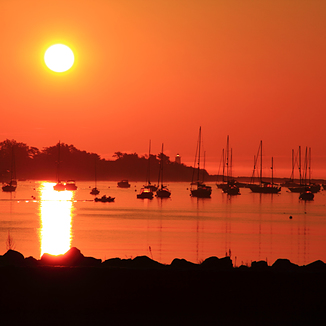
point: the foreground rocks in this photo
(75, 290)
(74, 258)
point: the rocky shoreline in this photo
(76, 290)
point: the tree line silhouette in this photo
(34, 164)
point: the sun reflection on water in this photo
(56, 219)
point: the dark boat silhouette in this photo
(263, 187)
(307, 195)
(95, 191)
(304, 180)
(59, 186)
(12, 184)
(231, 188)
(105, 199)
(148, 184)
(198, 188)
(145, 193)
(71, 185)
(162, 191)
(123, 184)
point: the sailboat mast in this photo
(300, 176)
(223, 164)
(58, 166)
(204, 165)
(305, 166)
(261, 161)
(95, 173)
(227, 158)
(231, 163)
(272, 172)
(292, 174)
(12, 167)
(149, 163)
(309, 165)
(161, 169)
(199, 141)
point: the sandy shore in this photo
(184, 294)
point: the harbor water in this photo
(249, 227)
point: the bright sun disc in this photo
(59, 58)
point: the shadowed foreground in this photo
(144, 292)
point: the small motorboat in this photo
(59, 186)
(145, 193)
(105, 199)
(94, 191)
(124, 184)
(10, 187)
(163, 192)
(71, 185)
(202, 191)
(306, 195)
(231, 189)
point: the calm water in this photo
(248, 227)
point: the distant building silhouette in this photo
(178, 159)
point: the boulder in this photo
(284, 265)
(90, 261)
(12, 258)
(73, 257)
(224, 263)
(259, 265)
(316, 266)
(31, 262)
(178, 263)
(117, 263)
(144, 262)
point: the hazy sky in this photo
(254, 70)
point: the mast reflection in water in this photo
(56, 217)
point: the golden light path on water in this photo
(56, 219)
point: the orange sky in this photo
(254, 70)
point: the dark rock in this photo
(284, 265)
(144, 262)
(117, 263)
(178, 263)
(259, 265)
(32, 262)
(73, 257)
(243, 268)
(13, 258)
(316, 266)
(90, 261)
(217, 263)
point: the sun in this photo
(59, 58)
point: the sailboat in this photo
(12, 184)
(223, 183)
(306, 192)
(59, 186)
(302, 186)
(162, 191)
(263, 187)
(198, 188)
(95, 191)
(148, 185)
(231, 187)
